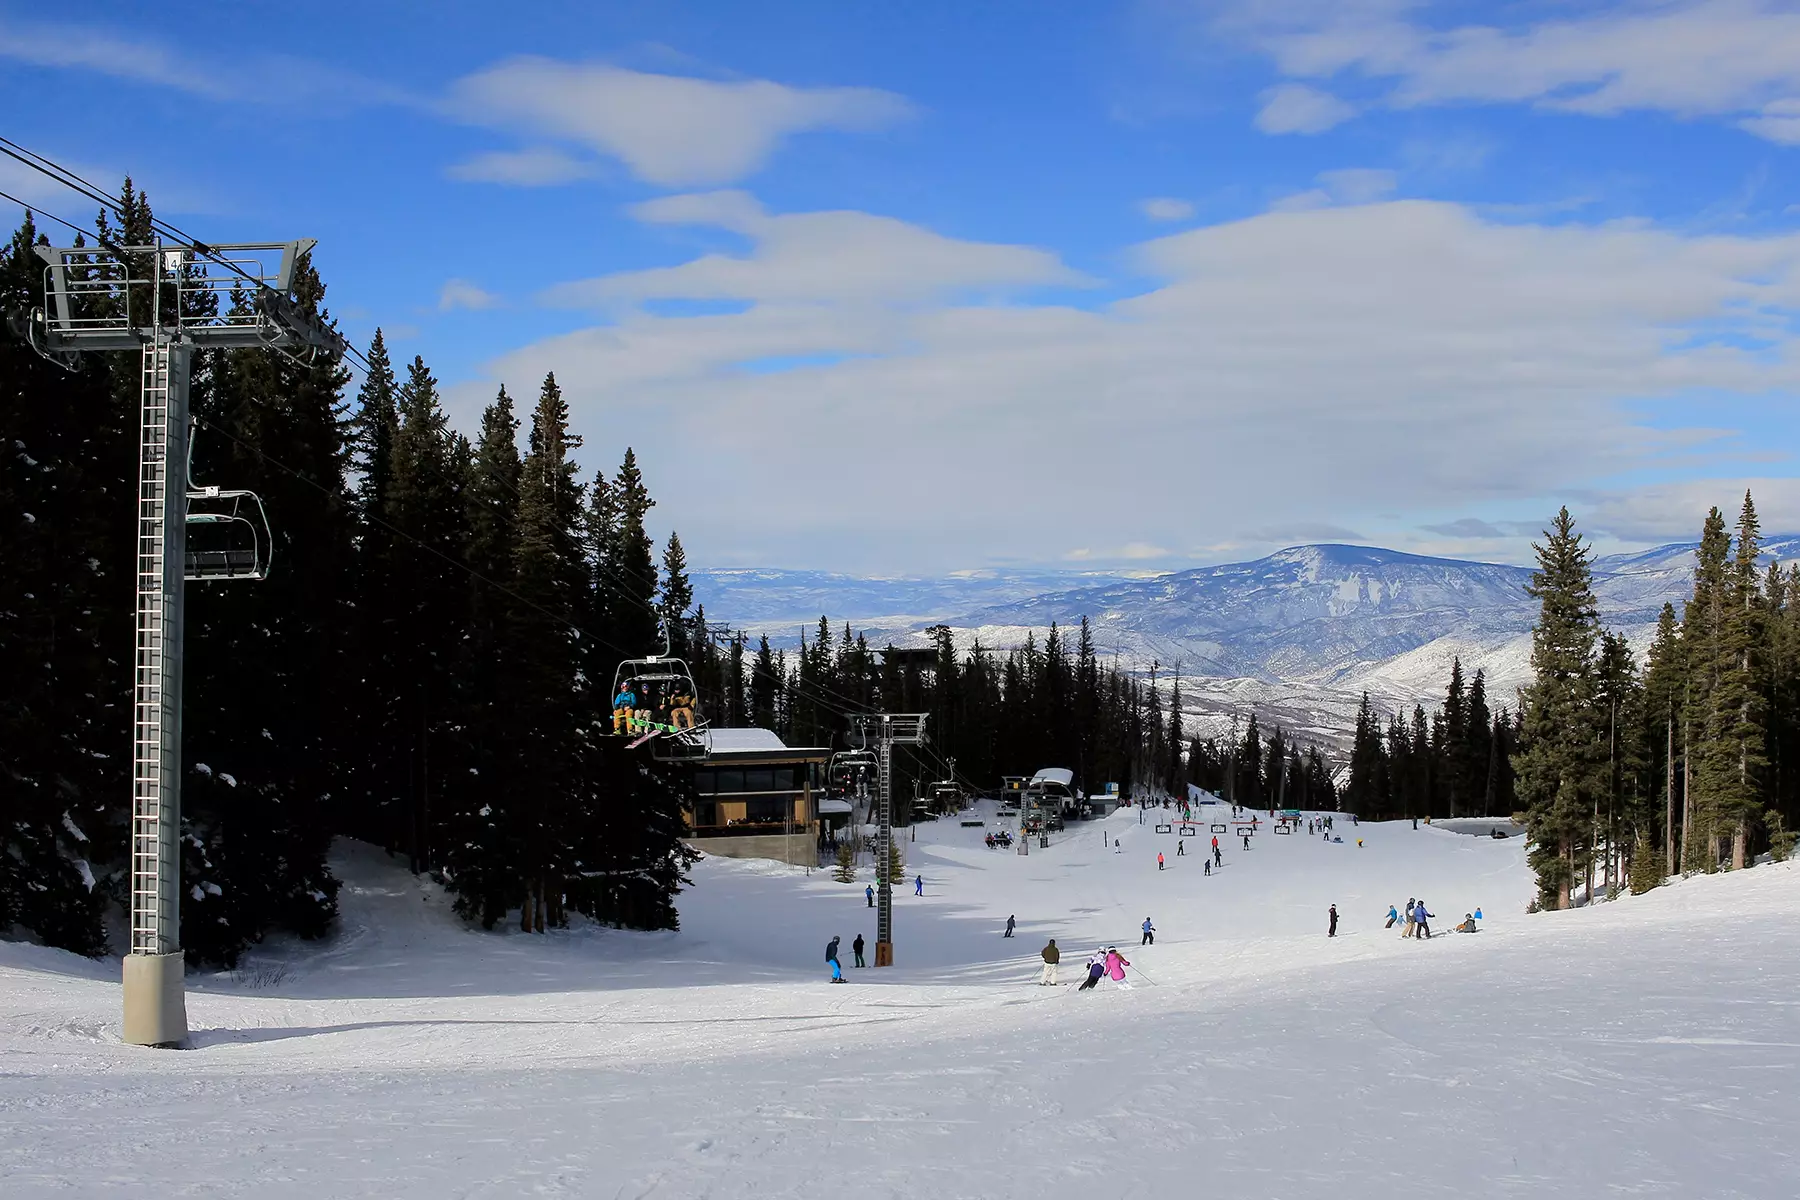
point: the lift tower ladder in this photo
(165, 301)
(885, 731)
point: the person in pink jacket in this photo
(1115, 964)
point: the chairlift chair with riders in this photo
(227, 531)
(664, 708)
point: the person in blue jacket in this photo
(1423, 918)
(869, 895)
(1149, 933)
(919, 885)
(1393, 915)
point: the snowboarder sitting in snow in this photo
(831, 956)
(623, 704)
(1468, 924)
(1052, 956)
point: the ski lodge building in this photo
(759, 798)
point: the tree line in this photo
(1632, 775)
(1456, 763)
(1051, 703)
(428, 665)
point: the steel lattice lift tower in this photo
(886, 730)
(166, 302)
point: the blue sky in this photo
(929, 287)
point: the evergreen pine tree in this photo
(1561, 763)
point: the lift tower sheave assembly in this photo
(166, 301)
(882, 732)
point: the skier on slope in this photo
(1424, 919)
(856, 948)
(919, 885)
(1051, 956)
(1332, 932)
(1159, 860)
(1208, 865)
(831, 956)
(1412, 918)
(1009, 927)
(1149, 933)
(869, 895)
(1115, 964)
(1393, 915)
(1096, 967)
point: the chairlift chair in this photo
(656, 680)
(228, 534)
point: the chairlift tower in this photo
(886, 730)
(166, 302)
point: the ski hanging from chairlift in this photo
(655, 701)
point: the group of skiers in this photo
(1107, 962)
(831, 956)
(1417, 920)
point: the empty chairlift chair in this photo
(228, 534)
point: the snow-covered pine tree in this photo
(1704, 641)
(480, 850)
(547, 708)
(428, 597)
(67, 477)
(1561, 763)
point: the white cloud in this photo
(1297, 108)
(1691, 58)
(244, 76)
(1166, 208)
(534, 166)
(1779, 122)
(1359, 185)
(1674, 511)
(91, 49)
(1330, 365)
(668, 129)
(460, 293)
(814, 258)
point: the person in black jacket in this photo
(831, 956)
(1332, 932)
(856, 948)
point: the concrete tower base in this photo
(155, 1002)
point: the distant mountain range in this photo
(1299, 635)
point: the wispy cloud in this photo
(1297, 108)
(534, 166)
(670, 130)
(460, 293)
(1166, 208)
(248, 77)
(819, 257)
(1737, 59)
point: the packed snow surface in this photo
(1646, 1047)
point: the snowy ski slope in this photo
(1646, 1047)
